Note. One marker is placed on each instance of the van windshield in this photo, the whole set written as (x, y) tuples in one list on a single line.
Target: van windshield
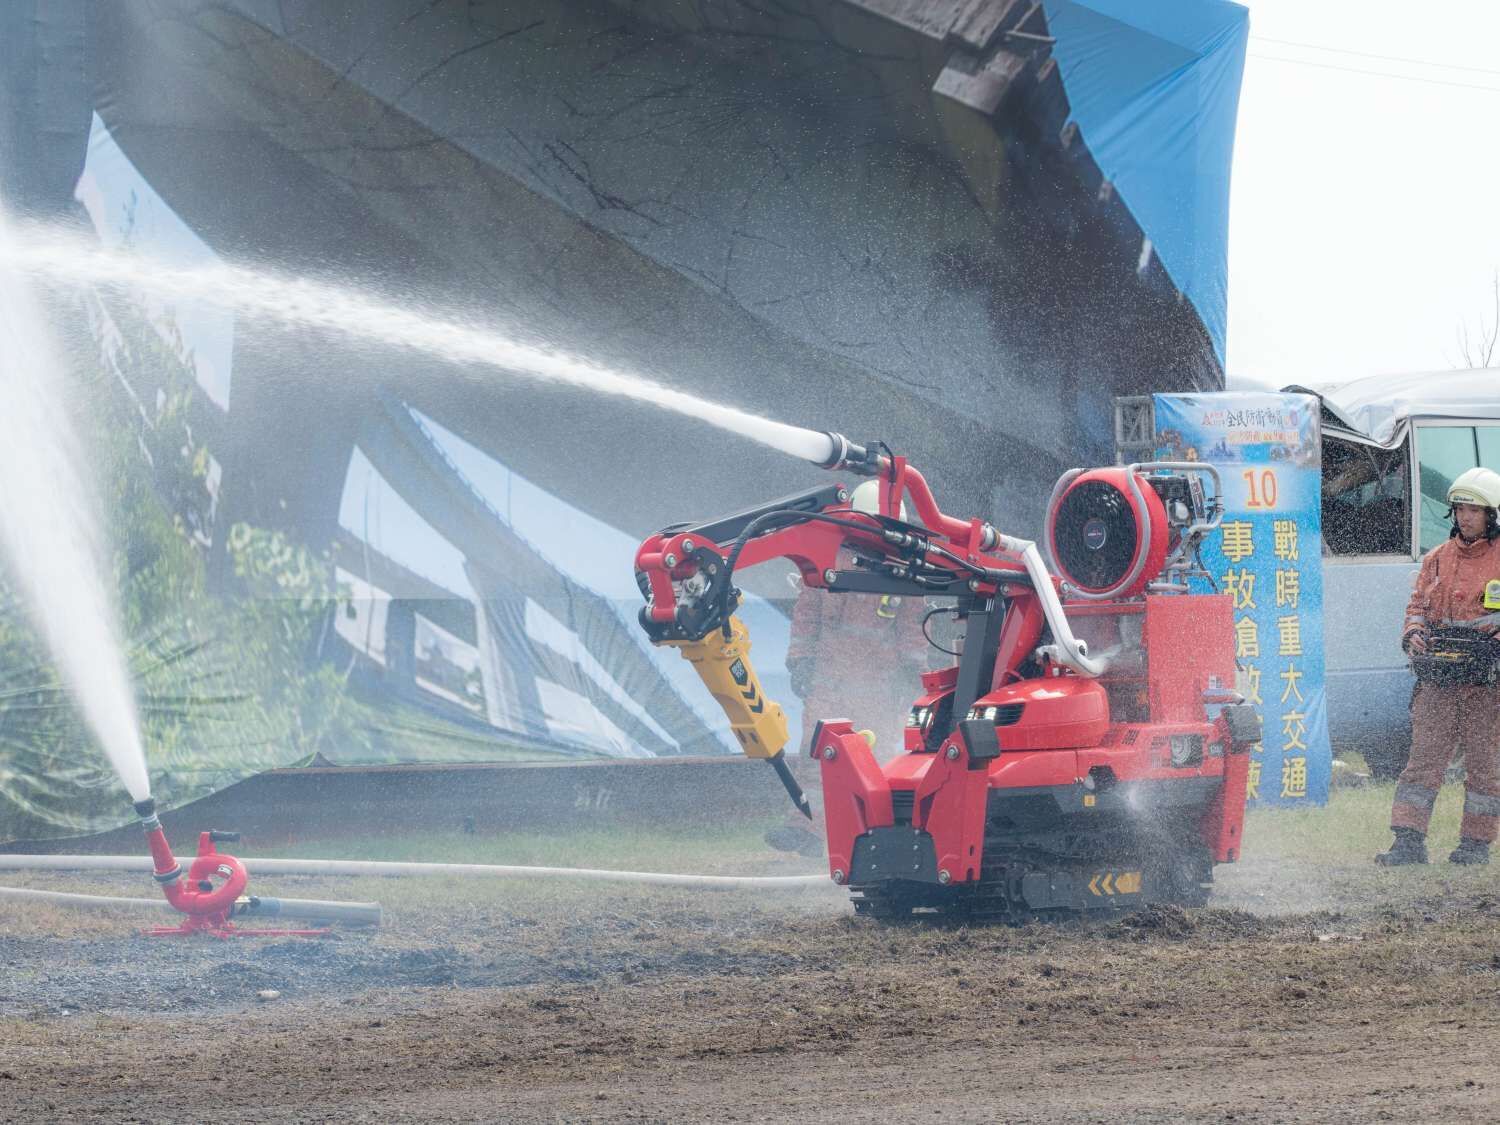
[(1366, 499), (1444, 452)]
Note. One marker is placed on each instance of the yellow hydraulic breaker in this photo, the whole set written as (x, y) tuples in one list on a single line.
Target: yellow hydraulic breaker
[(723, 664)]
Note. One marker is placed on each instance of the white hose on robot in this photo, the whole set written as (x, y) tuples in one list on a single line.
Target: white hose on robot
[(378, 867), (1066, 648)]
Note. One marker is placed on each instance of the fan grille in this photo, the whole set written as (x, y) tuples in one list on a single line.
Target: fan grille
[(1095, 535)]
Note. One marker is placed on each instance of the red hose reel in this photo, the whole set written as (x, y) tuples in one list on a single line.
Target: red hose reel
[(1108, 532)]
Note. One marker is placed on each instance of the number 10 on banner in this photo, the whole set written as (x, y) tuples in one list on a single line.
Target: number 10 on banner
[(1260, 485)]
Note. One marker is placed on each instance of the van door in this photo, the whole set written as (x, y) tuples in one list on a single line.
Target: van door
[(1365, 603), (1369, 562)]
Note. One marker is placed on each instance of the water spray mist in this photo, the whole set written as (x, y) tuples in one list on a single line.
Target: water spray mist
[(49, 524), (64, 258)]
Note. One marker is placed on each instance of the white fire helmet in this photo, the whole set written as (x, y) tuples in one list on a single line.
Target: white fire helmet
[(1476, 486), (866, 498)]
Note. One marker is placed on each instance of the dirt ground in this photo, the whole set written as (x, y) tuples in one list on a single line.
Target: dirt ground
[(565, 1002)]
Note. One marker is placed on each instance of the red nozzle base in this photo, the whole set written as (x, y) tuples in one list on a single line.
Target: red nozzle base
[(209, 891)]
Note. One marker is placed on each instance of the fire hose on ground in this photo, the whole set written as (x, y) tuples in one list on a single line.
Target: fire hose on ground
[(208, 890), (257, 906), (381, 867)]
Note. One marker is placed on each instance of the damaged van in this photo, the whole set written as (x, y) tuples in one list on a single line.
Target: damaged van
[(1392, 444)]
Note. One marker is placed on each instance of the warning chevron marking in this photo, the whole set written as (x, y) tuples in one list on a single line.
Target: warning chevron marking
[(1108, 883)]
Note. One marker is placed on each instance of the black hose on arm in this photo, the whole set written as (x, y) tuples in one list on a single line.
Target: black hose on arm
[(791, 516)]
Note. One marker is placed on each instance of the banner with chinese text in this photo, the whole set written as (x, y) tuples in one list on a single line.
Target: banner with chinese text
[(1267, 556)]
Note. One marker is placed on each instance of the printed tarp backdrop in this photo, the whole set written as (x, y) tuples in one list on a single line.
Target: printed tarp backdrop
[(1268, 558), (897, 221)]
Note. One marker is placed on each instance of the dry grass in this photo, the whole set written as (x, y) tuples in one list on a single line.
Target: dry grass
[(1296, 861)]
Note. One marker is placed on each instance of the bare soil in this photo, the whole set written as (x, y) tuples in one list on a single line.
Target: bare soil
[(530, 1002)]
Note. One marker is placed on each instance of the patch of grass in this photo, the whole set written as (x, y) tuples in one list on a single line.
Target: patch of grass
[(1347, 832), (736, 848), (1295, 861), (480, 904), (729, 849), (1312, 859), (1353, 826)]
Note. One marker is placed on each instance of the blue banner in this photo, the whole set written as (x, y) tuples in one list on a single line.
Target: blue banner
[(1267, 556)]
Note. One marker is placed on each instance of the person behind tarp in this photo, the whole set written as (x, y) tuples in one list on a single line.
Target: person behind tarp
[(1456, 705), (857, 657)]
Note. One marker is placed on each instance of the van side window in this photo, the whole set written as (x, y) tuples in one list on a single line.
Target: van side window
[(1489, 446), (1366, 499), (1443, 452)]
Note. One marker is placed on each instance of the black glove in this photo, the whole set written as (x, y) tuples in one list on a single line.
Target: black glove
[(1414, 642)]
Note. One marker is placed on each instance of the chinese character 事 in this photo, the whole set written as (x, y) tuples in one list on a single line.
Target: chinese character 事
[(1238, 542)]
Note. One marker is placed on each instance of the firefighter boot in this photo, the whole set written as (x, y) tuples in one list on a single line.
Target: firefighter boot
[(1410, 847), (1470, 852)]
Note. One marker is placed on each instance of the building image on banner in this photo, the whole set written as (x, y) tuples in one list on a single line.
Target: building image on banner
[(1267, 557), (959, 230)]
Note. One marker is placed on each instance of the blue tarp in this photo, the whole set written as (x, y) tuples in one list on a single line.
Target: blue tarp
[(1154, 87)]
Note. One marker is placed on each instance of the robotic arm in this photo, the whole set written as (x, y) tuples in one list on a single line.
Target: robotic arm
[(687, 576)]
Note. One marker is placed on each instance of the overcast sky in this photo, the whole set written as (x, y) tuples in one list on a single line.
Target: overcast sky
[(1365, 215)]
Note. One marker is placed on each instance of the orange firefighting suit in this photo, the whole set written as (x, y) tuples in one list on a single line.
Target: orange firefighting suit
[(858, 657), (1450, 589)]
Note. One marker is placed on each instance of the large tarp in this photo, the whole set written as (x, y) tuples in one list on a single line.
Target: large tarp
[(1155, 87), (870, 217)]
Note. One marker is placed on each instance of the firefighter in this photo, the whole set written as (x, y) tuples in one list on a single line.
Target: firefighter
[(857, 657), (1459, 584)]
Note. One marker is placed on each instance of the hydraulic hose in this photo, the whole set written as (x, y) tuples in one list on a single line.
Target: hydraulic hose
[(1066, 648), (380, 867)]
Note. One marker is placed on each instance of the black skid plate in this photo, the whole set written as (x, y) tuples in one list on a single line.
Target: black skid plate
[(899, 852)]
